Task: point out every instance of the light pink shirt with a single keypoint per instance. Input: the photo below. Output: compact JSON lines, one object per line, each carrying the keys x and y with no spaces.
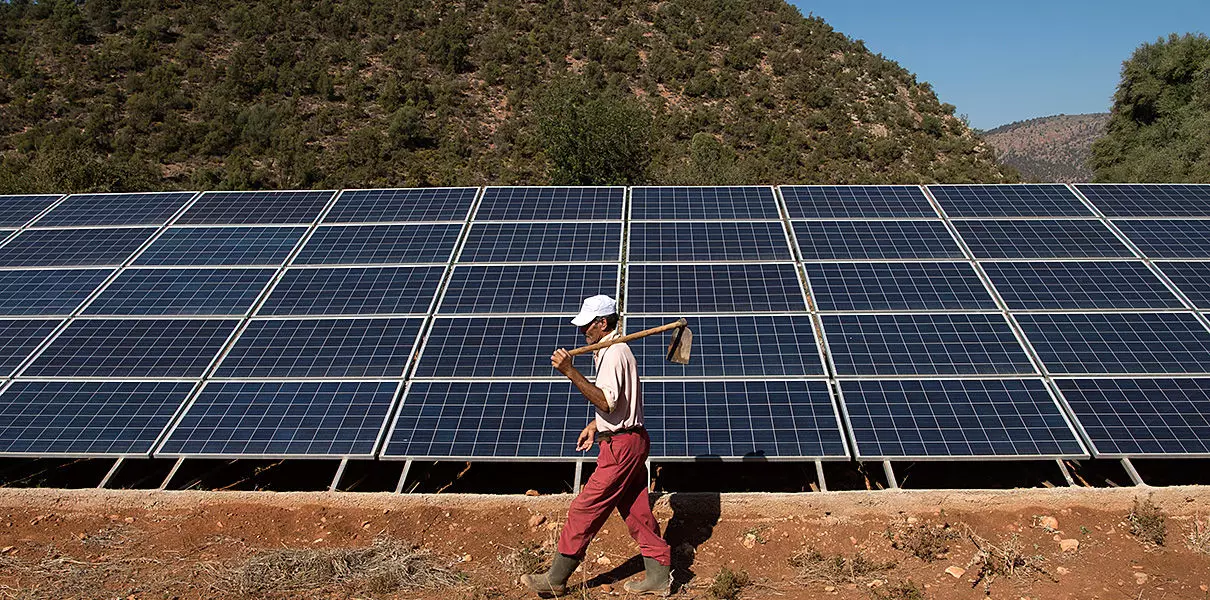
{"x":618,"y":377}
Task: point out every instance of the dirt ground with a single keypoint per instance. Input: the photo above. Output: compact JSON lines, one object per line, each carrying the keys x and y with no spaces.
{"x":900,"y":545}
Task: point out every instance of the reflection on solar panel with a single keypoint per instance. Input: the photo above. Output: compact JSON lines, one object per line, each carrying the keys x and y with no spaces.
{"x":708,"y":241}
{"x":87,"y":417}
{"x":379,"y":244}
{"x":256,"y":208}
{"x":47,"y":292}
{"x":551,"y":204}
{"x":831,"y":240}
{"x":354,"y":291}
{"x":76,"y":247}
{"x":726,"y":203}
{"x":542,"y":242}
{"x":1040,"y":239}
{"x":1169,"y":239}
{"x":1149,"y":199}
{"x":330,"y":418}
{"x":924,"y":344}
{"x":335,"y":348}
{"x":16,"y":211}
{"x":133,"y":348}
{"x":1191,"y":278}
{"x":1032,"y":200}
{"x":734,"y":287}
{"x":843,"y":201}
{"x":1124,"y":417}
{"x":182,"y":292}
{"x":897,"y":286}
{"x":408,"y":206}
{"x":1079,"y":285}
{"x":955,"y":417}
{"x":748,"y":419}
{"x":748,"y":346}
{"x":115,"y":209}
{"x":548,"y":289}
{"x":222,"y":246}
{"x":19,"y":338}
{"x":476,"y":347}
{"x":1118,"y":343}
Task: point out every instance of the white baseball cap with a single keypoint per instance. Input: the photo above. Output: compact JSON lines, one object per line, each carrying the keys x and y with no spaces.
{"x":596,"y":306}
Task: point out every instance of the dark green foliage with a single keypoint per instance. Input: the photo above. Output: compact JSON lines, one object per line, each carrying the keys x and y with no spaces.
{"x":594,"y":137}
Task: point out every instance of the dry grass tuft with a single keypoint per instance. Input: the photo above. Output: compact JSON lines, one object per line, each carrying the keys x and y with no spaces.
{"x":1007,"y":559}
{"x":1147,"y":522}
{"x":925,"y":541}
{"x":728,"y":584}
{"x":900,"y":591}
{"x":1197,"y":538}
{"x":814,"y":566}
{"x":529,"y":558}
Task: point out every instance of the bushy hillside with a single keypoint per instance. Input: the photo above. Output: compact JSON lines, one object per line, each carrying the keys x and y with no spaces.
{"x":1049,"y":149}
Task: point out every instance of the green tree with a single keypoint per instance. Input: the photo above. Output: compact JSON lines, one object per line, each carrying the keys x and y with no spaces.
{"x":592,"y":136}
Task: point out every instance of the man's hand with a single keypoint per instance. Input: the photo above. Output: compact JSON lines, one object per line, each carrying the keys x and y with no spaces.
{"x":561,"y":361}
{"x":587,"y":436}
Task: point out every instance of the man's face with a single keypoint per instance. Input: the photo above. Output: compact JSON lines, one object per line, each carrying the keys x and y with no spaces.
{"x":594,"y":331}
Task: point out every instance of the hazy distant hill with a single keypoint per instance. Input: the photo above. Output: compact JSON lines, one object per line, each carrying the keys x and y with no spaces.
{"x":1051,"y":149}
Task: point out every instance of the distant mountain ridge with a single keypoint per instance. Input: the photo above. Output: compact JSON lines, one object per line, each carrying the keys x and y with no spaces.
{"x":1049,"y":149}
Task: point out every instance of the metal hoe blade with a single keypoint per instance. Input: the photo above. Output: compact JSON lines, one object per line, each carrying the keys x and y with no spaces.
{"x":682,"y":344}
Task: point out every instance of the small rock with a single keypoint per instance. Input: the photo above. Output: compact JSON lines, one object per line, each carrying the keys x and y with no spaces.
{"x":876,"y":583}
{"x":1063,"y":570}
{"x":912,"y":520}
{"x":532,"y":493}
{"x":1069,"y":545}
{"x":365,"y":524}
{"x":537,"y":520}
{"x":1049,"y":523}
{"x":1140,"y":578}
{"x":749,"y":541}
{"x":604,"y":560}
{"x":128,"y":520}
{"x":1203,"y":587}
{"x":1057,"y":537}
{"x":466,"y":558}
{"x":829,"y":589}
{"x":956,"y":571}
{"x":6,"y":549}
{"x":853,"y":540}
{"x":606,"y":588}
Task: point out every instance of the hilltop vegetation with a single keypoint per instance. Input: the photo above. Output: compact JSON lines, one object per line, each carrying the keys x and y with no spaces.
{"x":1049,"y":149}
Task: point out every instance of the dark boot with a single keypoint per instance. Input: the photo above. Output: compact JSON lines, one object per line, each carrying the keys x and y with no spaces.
{"x":658,"y":581}
{"x":554,"y":581}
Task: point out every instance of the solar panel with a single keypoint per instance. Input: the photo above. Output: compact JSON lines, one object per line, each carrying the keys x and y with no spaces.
{"x":542,"y":242}
{"x":1149,"y":199}
{"x":133,"y":348}
{"x":17,"y":210}
{"x":47,"y":292}
{"x":897,"y":286}
{"x":1041,"y":239}
{"x":379,"y":244}
{"x":1191,"y":278}
{"x":469,"y":348}
{"x":19,"y":338}
{"x":726,"y":203}
{"x":354,"y":291}
{"x":1079,"y":285}
{"x":743,"y":346}
{"x":707,"y":241}
{"x":332,"y":348}
{"x":87,"y":417}
{"x":845,"y":201}
{"x":1118,"y":343}
{"x":1142,"y":417}
{"x":222,"y":246}
{"x":924,"y":344}
{"x":549,"y":289}
{"x":73,"y":247}
{"x":551,"y":204}
{"x":843,"y":240}
{"x":1014,"y":200}
{"x":695,"y":288}
{"x":115,"y":209}
{"x":968,"y":418}
{"x":330,"y":418}
{"x":256,"y":208}
{"x":182,"y":292}
{"x":1186,"y":238}
{"x":407,"y":205}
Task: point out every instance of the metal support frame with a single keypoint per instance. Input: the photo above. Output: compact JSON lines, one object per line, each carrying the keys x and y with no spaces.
{"x":117,"y":464}
{"x":890,"y":475}
{"x":1134,"y":474}
{"x":1066,"y":473}
{"x":823,"y":483}
{"x":580,"y":475}
{"x":403,"y":477}
{"x":176,"y":467}
{"x":340,"y":471}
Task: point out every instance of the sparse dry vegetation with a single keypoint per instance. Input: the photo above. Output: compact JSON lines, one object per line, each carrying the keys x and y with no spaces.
{"x":1006,"y":559}
{"x":728,"y":584}
{"x":905,"y":590}
{"x":531,"y":557}
{"x":1147,"y":522}
{"x":926,"y":541}
{"x":812,"y":565}
{"x":1197,"y":538}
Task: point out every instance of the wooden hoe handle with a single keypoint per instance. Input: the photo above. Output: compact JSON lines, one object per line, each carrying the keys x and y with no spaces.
{"x":630,"y":336}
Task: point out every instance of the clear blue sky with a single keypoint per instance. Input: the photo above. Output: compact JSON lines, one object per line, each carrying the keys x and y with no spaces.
{"x":1000,"y":62}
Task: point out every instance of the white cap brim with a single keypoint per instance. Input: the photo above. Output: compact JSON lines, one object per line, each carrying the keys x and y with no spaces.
{"x":582,"y":319}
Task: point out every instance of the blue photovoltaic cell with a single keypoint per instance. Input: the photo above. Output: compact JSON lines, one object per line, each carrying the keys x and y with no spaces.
{"x":1191,"y":278}
{"x":924,"y":344}
{"x":845,"y":201}
{"x":832,"y":240}
{"x":73,"y":247}
{"x":182,"y":292}
{"x":19,"y":338}
{"x":551,"y":204}
{"x":707,"y":241}
{"x":474,"y":347}
{"x":1124,"y":343}
{"x":256,"y":208}
{"x":330,"y":418}
{"x":332,"y":348}
{"x":897,"y":286}
{"x":1079,"y":285}
{"x":16,"y":211}
{"x":408,"y":205}
{"x":354,"y":291}
{"x":747,"y":346}
{"x":742,"y":419}
{"x":550,"y":289}
{"x":133,"y":348}
{"x":379,"y":244}
{"x":688,"y":289}
{"x":46,"y":291}
{"x":1149,"y":199}
{"x":222,"y":246}
{"x":542,"y":242}
{"x":1041,"y":239}
{"x":87,"y":417}
{"x":1186,"y":238}
{"x":115,"y":209}
{"x":1139,"y":417}
{"x":727,"y":203}
{"x":956,"y":418}
{"x":1015,"y":200}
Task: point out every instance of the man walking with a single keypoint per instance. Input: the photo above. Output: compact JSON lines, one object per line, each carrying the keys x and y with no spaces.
{"x":620,"y":479}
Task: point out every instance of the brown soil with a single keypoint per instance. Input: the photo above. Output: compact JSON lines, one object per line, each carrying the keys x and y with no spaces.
{"x":127,"y":544}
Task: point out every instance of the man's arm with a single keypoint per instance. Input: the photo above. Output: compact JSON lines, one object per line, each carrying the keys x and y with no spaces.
{"x":561,"y":361}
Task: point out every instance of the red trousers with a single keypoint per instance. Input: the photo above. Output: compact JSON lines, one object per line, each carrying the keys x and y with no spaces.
{"x":619,"y":481}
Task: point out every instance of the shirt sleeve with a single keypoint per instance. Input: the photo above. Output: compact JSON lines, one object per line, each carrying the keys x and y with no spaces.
{"x":609,"y":378}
